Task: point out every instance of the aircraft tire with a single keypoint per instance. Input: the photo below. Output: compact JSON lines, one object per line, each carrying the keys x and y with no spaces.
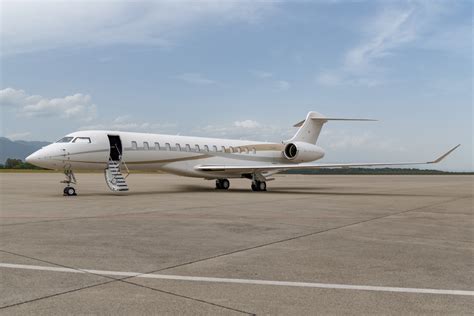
{"x":225,"y":184}
{"x":69,"y":191}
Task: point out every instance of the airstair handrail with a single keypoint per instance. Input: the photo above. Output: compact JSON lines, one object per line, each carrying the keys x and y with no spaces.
{"x":121,"y":161}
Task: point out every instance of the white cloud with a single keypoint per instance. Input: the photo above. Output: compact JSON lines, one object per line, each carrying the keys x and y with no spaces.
{"x":126,"y":123}
{"x":396,"y":26}
{"x":261,"y":74}
{"x":329,"y":78}
{"x":41,"y":25}
{"x":283,"y":85}
{"x":344,"y":140}
{"x":247,"y":129}
{"x":195,"y":78}
{"x":335,"y":78}
{"x":19,"y":136}
{"x":77,"y":106}
{"x":246,"y":124}
{"x":266,"y":76}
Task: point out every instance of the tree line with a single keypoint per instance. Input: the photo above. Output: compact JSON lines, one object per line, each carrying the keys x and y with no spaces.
{"x":12,"y":163}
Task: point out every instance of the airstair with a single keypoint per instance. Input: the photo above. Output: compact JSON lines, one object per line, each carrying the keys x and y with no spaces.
{"x":114,"y":177}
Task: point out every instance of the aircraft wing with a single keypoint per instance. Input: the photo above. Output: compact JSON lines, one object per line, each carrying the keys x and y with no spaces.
{"x":282,"y":167}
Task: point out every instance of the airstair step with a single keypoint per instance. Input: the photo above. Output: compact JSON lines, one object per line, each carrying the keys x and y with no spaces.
{"x":114,"y":177}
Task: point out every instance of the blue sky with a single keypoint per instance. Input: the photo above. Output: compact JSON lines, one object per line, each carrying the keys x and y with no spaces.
{"x":245,"y":69}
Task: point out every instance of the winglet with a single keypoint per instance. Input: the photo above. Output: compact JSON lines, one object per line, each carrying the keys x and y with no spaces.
{"x":445,"y":155}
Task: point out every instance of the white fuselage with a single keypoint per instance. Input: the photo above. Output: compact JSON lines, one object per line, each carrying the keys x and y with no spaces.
{"x":174,"y":154}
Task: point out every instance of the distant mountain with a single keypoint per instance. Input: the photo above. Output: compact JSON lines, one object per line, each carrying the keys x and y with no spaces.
{"x":18,"y":149}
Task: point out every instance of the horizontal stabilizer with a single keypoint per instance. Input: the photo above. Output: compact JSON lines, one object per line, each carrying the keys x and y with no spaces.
{"x":325,"y":119}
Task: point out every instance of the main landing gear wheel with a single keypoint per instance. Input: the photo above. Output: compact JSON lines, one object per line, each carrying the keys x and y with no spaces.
{"x":69,"y":191}
{"x":222,"y":184}
{"x":259,"y":186}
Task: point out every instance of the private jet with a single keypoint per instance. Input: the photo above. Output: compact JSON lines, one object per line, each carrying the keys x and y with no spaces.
{"x":117,"y":153}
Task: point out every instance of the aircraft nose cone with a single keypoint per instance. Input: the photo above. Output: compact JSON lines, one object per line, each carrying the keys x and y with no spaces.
{"x":42,"y":158}
{"x":33,"y":159}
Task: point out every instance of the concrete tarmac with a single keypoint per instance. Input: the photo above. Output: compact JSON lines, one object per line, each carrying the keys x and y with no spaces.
{"x":344,"y":245}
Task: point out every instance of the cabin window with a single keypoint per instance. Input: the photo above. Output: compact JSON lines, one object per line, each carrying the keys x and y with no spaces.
{"x":65,"y":140}
{"x":157,"y":146}
{"x":254,"y":151}
{"x":231,"y":149}
{"x":206,"y":148}
{"x":168,"y":146}
{"x":196,"y":147}
{"x":178,"y":147}
{"x":239,"y":150}
{"x":246,"y":150}
{"x":82,"y":140}
{"x":134,"y":145}
{"x":188,"y":147}
{"x":146,"y":146}
{"x":223,"y":149}
{"x":214,"y":148}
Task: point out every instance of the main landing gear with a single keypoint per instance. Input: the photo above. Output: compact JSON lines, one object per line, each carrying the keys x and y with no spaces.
{"x":258,"y":182}
{"x":222,"y":184}
{"x":259,"y":185}
{"x":70,"y":179}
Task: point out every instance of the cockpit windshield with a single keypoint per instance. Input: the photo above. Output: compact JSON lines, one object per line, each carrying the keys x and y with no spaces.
{"x":82,"y":140}
{"x":66,"y":139}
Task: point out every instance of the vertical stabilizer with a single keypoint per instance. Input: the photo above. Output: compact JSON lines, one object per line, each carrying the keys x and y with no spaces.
{"x":309,"y":129}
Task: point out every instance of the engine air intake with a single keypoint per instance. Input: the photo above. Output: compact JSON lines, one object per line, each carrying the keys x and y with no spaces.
{"x":290,"y":151}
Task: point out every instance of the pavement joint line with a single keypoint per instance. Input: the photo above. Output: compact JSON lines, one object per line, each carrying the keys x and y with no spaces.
{"x":216,"y":256}
{"x":296,"y":237}
{"x":185,"y":296}
{"x":458,"y":198}
{"x":57,"y":294}
{"x":301,"y":236}
{"x":57,"y":219}
{"x":289,"y":239}
{"x":62,"y":268}
{"x":194,"y":207}
{"x":138,"y":213}
{"x":246,"y":281}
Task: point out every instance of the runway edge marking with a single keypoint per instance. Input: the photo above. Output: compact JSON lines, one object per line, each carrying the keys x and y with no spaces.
{"x":244,"y":281}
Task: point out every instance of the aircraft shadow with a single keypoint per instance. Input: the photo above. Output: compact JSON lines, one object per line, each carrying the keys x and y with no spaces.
{"x":183,"y":189}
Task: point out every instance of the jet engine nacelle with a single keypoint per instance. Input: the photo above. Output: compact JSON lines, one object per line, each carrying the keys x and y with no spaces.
{"x":302,"y":152}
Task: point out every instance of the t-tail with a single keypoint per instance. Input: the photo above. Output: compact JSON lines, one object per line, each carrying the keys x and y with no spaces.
{"x":310,"y":128}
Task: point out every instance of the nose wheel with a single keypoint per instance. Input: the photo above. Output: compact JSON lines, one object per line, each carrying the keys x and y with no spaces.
{"x":69,"y":191}
{"x":70,"y":179}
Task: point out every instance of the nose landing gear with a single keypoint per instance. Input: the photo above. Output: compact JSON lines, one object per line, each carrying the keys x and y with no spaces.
{"x":70,"y":179}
